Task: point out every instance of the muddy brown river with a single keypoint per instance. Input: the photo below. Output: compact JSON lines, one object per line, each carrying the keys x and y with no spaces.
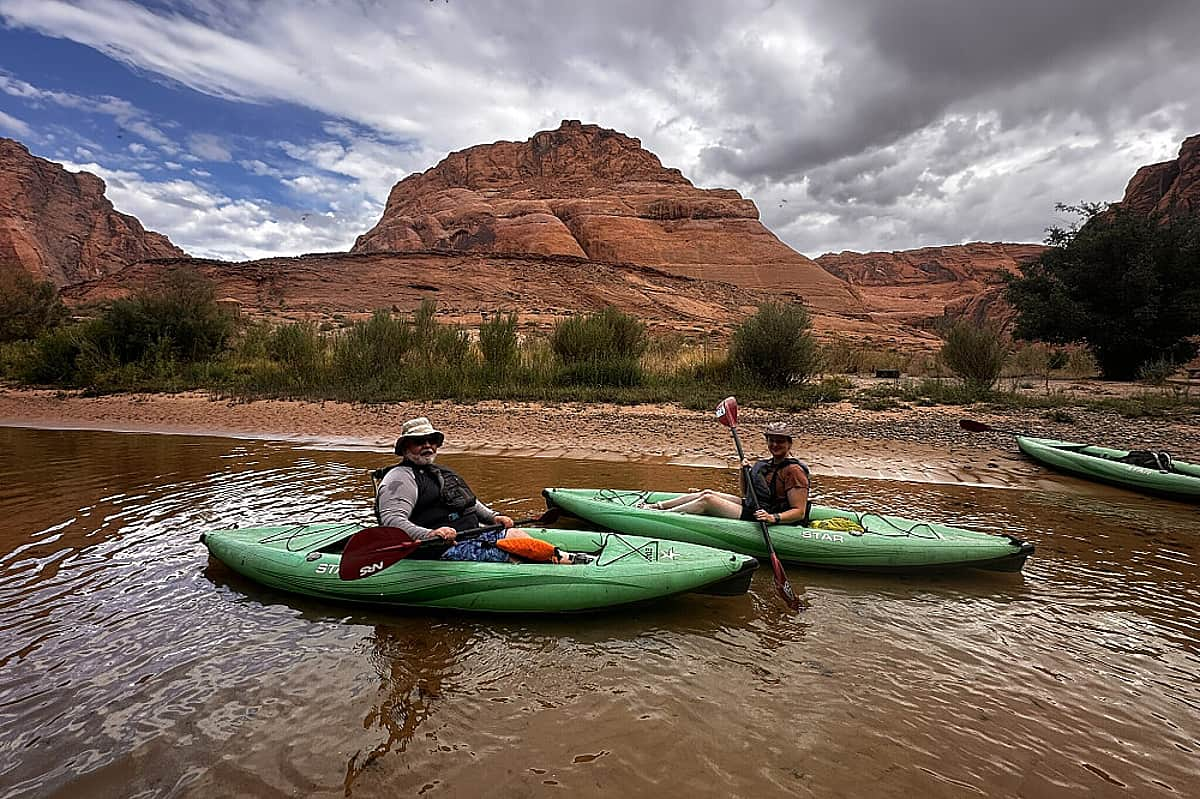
{"x":133,"y":666}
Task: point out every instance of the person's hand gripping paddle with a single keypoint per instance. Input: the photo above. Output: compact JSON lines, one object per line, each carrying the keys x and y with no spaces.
{"x":727,"y":415}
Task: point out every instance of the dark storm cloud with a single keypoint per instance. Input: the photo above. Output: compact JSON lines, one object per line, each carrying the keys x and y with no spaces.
{"x":901,"y":66}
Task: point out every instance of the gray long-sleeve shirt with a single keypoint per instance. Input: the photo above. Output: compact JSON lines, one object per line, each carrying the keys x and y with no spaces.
{"x":398,"y":495}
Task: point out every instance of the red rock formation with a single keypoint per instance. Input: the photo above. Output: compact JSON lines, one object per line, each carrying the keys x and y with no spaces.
{"x":59,"y":226}
{"x":541,"y":288}
{"x":1169,"y":190}
{"x":918,"y":287}
{"x":585,"y":191}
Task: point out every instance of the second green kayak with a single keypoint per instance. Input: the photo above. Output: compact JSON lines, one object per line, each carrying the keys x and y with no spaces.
{"x":1182,"y":481}
{"x":884,"y":544}
{"x":304,"y":559}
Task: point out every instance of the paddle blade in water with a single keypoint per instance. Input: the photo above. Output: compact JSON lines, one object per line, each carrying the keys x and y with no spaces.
{"x":727,"y":412}
{"x":374,"y":549}
{"x":782,"y":585}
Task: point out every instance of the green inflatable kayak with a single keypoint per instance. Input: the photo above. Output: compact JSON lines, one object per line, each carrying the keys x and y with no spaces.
{"x":867,"y":542}
{"x":1170,"y":478}
{"x":304,"y":559}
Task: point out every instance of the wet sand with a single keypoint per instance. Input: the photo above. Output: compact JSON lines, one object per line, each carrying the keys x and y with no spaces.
{"x":919,"y":444}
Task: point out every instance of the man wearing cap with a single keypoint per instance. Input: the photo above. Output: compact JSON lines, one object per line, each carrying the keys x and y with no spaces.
{"x":428,"y":501}
{"x":780,"y":484}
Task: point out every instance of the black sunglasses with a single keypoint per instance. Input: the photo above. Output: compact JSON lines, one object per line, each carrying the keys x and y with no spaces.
{"x":435,"y":440}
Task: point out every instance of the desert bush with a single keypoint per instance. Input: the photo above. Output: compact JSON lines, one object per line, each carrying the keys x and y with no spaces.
{"x":774,"y":347}
{"x":499,"y":345}
{"x":1080,"y":364}
{"x":372,"y":352}
{"x":1156,"y":372}
{"x":299,"y":349}
{"x":840,"y":356}
{"x":181,"y":314}
{"x":601,"y":348}
{"x":53,"y":356}
{"x":27,"y":307}
{"x":975,"y":354}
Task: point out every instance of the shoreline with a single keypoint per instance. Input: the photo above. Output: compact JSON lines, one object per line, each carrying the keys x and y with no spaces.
{"x":919,"y":444}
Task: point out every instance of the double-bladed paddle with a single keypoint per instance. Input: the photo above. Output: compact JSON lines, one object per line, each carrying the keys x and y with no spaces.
{"x":374,"y":549}
{"x":727,"y":415}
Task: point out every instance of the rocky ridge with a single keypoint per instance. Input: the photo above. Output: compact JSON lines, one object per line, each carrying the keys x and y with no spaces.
{"x":919,"y":287}
{"x":58,"y":225}
{"x":1169,"y":190}
{"x":588,"y":192}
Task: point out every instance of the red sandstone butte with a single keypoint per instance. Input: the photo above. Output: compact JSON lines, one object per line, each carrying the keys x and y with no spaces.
{"x":585,"y":191}
{"x":58,"y":225}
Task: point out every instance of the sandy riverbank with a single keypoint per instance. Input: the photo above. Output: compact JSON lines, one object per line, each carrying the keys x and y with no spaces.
{"x":917,"y":444}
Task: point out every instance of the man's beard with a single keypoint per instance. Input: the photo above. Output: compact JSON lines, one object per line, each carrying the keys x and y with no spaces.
{"x":424,"y":457}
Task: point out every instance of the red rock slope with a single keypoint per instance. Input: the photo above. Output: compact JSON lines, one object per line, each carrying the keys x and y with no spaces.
{"x":585,"y":191}
{"x":1169,"y":190}
{"x":59,"y":226}
{"x":917,"y":287}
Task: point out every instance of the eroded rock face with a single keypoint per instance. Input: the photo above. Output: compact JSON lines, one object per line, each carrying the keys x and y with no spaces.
{"x":588,"y":192}
{"x":542,"y":289}
{"x":59,"y":226}
{"x":1169,"y":190}
{"x":919,"y":287}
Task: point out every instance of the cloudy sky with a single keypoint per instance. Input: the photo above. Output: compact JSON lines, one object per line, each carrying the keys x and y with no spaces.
{"x":249,"y":128}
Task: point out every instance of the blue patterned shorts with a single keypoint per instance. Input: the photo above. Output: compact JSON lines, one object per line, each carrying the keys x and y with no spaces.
{"x":482,"y":549}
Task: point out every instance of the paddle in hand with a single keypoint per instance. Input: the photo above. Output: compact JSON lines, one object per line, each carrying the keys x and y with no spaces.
{"x":374,"y":549}
{"x":727,"y":415}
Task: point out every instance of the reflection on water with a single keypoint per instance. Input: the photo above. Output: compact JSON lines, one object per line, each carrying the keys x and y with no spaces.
{"x":134,"y":666}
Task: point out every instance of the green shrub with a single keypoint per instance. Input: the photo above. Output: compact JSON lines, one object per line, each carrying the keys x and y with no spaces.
{"x":182,"y":312}
{"x":372,"y":353}
{"x":53,"y":358}
{"x":975,"y":354}
{"x":499,"y":345}
{"x":27,"y":307}
{"x":602,"y":348}
{"x":775,"y":347}
{"x":299,"y":349}
{"x":1155,"y":372}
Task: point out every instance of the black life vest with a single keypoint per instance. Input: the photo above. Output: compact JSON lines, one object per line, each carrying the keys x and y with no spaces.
{"x":443,"y":497}
{"x":764,"y":479}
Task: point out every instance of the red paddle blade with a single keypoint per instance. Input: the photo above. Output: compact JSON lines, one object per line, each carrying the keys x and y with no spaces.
{"x":727,"y":412}
{"x":782,"y":585}
{"x":373,"y":550}
{"x":973,"y":426}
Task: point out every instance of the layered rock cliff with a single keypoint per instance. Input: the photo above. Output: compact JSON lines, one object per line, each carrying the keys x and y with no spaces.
{"x":919,"y":287}
{"x":1169,"y":190}
{"x":585,"y":191}
{"x":59,"y":226}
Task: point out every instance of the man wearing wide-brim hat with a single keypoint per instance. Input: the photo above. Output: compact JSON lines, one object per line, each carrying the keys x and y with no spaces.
{"x":427,"y":500}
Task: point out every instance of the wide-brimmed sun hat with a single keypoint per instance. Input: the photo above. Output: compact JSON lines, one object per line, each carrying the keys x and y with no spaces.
{"x":779,"y":429}
{"x":418,"y":428}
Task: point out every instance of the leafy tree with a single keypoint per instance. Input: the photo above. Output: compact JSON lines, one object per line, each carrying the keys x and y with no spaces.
{"x":774,"y":346}
{"x":1125,"y":285}
{"x":27,"y":307}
